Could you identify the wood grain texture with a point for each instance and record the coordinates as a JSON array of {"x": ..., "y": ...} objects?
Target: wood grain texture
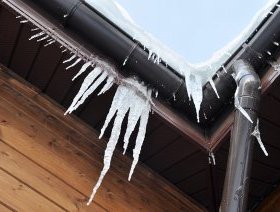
[{"x": 66, "y": 151}]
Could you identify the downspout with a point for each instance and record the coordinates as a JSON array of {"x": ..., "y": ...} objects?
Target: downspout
[{"x": 236, "y": 185}]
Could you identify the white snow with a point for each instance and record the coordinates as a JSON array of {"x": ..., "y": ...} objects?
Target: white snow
[
  {"x": 157, "y": 51},
  {"x": 257, "y": 135},
  {"x": 125, "y": 99}
]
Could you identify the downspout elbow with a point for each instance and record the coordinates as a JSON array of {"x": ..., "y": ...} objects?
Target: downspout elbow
[{"x": 248, "y": 85}]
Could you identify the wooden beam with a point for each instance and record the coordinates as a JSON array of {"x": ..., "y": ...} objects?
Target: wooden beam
[{"x": 21, "y": 197}]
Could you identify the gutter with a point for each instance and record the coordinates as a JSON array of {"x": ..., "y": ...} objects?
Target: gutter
[{"x": 96, "y": 30}]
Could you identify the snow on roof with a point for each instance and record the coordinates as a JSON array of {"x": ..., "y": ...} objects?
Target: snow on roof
[
  {"x": 196, "y": 75},
  {"x": 119, "y": 16}
]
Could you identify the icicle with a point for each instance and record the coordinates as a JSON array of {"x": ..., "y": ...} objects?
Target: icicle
[
  {"x": 43, "y": 38},
  {"x": 82, "y": 70},
  {"x": 268, "y": 52},
  {"x": 70, "y": 59},
  {"x": 124, "y": 62},
  {"x": 36, "y": 35},
  {"x": 150, "y": 54},
  {"x": 117, "y": 101},
  {"x": 194, "y": 87},
  {"x": 156, "y": 95},
  {"x": 214, "y": 88},
  {"x": 121, "y": 107},
  {"x": 23, "y": 21},
  {"x": 238, "y": 106},
  {"x": 34, "y": 29},
  {"x": 49, "y": 40},
  {"x": 75, "y": 63},
  {"x": 19, "y": 16},
  {"x": 205, "y": 116},
  {"x": 90, "y": 90},
  {"x": 212, "y": 158},
  {"x": 85, "y": 85},
  {"x": 125, "y": 99},
  {"x": 49, "y": 43},
  {"x": 107, "y": 86},
  {"x": 174, "y": 97},
  {"x": 257, "y": 135},
  {"x": 276, "y": 43},
  {"x": 224, "y": 68},
  {"x": 133, "y": 117},
  {"x": 64, "y": 50},
  {"x": 140, "y": 138}
]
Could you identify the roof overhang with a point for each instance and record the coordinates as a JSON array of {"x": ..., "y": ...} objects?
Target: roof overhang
[{"x": 209, "y": 135}]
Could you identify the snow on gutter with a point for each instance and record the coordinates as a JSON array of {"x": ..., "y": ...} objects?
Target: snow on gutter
[{"x": 196, "y": 75}]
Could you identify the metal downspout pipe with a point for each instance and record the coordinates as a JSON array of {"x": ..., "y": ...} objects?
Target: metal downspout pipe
[{"x": 236, "y": 185}]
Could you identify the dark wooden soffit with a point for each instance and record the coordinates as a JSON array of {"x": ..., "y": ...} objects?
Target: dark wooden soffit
[{"x": 206, "y": 139}]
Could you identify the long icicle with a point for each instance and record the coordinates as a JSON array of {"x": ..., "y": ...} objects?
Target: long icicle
[
  {"x": 111, "y": 145},
  {"x": 75, "y": 63},
  {"x": 194, "y": 87},
  {"x": 90, "y": 90},
  {"x": 214, "y": 88},
  {"x": 82, "y": 70},
  {"x": 140, "y": 137},
  {"x": 70, "y": 59},
  {"x": 134, "y": 115},
  {"x": 107, "y": 86},
  {"x": 117, "y": 101}
]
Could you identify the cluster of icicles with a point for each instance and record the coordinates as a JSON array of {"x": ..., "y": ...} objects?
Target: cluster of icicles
[
  {"x": 131, "y": 97},
  {"x": 126, "y": 100}
]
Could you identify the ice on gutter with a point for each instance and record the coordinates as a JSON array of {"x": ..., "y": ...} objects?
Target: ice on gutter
[
  {"x": 203, "y": 71},
  {"x": 131, "y": 97},
  {"x": 257, "y": 135}
]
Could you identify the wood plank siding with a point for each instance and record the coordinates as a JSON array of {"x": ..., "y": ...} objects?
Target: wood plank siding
[{"x": 50, "y": 162}]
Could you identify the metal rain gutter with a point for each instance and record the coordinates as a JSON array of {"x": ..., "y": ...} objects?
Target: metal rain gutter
[
  {"x": 235, "y": 193},
  {"x": 97, "y": 31}
]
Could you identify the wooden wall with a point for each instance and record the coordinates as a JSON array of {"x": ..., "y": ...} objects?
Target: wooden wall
[{"x": 49, "y": 162}]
